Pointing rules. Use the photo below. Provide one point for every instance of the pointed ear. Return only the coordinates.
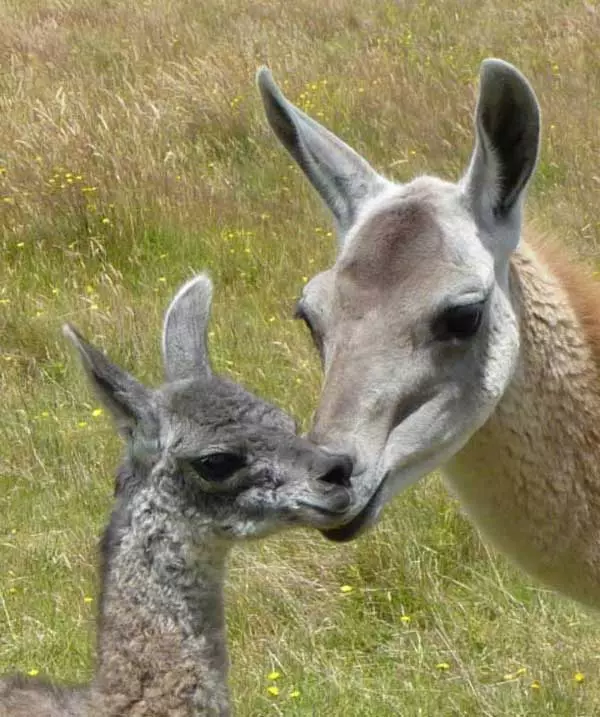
(125, 397)
(341, 176)
(507, 122)
(185, 328)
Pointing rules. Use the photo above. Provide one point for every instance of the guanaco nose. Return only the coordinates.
(337, 470)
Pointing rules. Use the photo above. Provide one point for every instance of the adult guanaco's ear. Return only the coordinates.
(340, 175)
(507, 124)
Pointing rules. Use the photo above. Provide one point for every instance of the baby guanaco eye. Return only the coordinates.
(459, 322)
(218, 466)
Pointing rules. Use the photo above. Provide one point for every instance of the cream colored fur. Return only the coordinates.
(530, 478)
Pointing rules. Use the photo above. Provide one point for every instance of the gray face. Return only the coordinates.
(230, 461)
(239, 462)
(414, 322)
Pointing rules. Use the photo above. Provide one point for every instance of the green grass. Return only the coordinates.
(134, 153)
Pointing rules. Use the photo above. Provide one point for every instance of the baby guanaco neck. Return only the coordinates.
(161, 644)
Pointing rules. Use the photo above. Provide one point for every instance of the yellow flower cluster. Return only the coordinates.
(273, 689)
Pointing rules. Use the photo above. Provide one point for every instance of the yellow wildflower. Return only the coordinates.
(517, 673)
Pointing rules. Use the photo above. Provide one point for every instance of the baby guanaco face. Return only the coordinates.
(226, 460)
(236, 461)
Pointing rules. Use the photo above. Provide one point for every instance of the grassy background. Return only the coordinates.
(133, 152)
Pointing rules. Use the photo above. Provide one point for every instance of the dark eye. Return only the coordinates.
(459, 322)
(218, 466)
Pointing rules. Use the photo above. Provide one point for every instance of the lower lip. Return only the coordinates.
(333, 512)
(352, 529)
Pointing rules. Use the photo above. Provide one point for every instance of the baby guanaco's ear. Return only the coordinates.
(185, 330)
(128, 401)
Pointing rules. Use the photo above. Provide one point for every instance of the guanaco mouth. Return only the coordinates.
(335, 504)
(354, 527)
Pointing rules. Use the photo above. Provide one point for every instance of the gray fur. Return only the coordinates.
(26, 696)
(184, 335)
(161, 630)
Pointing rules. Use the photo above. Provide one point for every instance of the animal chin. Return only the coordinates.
(360, 522)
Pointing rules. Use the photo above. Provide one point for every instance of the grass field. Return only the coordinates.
(133, 152)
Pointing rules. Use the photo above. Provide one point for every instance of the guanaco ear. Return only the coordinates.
(507, 124)
(185, 330)
(128, 401)
(342, 177)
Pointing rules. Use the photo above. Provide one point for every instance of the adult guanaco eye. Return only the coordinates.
(459, 322)
(218, 466)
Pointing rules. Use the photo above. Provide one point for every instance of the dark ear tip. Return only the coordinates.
(491, 64)
(493, 69)
(263, 75)
(499, 79)
(266, 84)
(84, 349)
(71, 333)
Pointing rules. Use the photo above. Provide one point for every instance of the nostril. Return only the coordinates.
(339, 473)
